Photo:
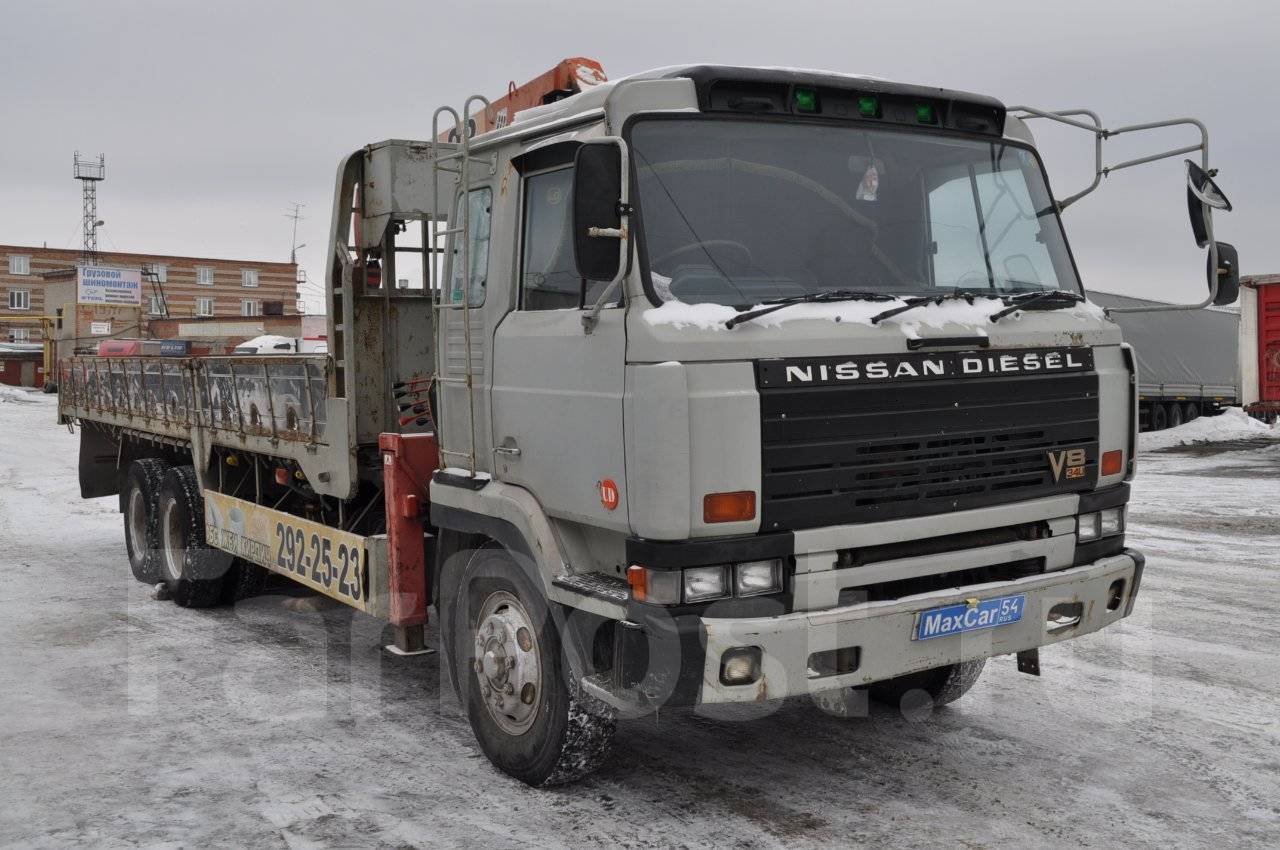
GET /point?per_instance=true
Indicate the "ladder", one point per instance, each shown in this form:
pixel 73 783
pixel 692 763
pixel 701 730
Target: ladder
pixel 458 161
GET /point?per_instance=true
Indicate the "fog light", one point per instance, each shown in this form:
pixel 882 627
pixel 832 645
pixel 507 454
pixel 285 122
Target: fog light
pixel 703 583
pixel 740 665
pixel 754 578
pixel 1087 527
pixel 1111 521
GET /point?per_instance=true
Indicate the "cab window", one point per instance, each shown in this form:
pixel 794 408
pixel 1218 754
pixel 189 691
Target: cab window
pixel 548 278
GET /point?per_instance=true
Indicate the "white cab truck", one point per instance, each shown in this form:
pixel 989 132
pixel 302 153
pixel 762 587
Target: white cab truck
pixel 721 385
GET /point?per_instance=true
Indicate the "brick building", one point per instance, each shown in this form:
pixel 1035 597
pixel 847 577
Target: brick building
pixel 191 286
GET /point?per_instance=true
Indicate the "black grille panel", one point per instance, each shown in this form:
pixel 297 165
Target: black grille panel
pixel 861 453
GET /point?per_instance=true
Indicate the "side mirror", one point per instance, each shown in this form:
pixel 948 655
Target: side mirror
pixel 600 236
pixel 1203 196
pixel 1227 273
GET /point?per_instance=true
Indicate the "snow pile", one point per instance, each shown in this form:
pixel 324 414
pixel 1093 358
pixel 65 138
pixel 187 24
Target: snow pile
pixel 1232 424
pixel 976 317
pixel 19 395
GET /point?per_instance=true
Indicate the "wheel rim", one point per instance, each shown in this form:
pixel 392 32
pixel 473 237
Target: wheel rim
pixel 508 663
pixel 137 525
pixel 173 543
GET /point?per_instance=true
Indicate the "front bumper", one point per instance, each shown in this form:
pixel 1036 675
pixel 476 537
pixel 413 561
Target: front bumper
pixel 881 632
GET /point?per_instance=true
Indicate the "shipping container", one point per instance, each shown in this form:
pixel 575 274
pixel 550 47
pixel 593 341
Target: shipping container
pixel 1259 348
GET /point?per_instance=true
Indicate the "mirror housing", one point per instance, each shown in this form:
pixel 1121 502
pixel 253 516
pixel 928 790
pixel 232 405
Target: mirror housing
pixel 1227 274
pixel 1203 196
pixel 601 213
pixel 599 207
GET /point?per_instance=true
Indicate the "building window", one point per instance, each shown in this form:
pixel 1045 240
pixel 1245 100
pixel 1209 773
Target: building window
pixel 248 277
pixel 19 264
pixel 157 306
pixel 19 299
pixel 161 272
pixel 204 306
pixel 250 307
pixel 20 334
pixel 204 275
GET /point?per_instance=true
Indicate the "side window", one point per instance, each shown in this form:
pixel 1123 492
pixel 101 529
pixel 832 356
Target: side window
pixel 548 278
pixel 478 208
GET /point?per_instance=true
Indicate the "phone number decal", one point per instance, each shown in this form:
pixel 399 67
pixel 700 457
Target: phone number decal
pixel 325 559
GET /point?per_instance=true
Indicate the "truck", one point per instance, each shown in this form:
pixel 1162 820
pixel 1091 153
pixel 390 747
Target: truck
pixel 721 385
pixel 1188 363
pixel 1259 347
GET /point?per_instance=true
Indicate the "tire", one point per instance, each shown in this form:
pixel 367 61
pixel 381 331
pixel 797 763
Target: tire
pixel 193 571
pixel 141 519
pixel 547 731
pixel 1159 417
pixel 928 689
pixel 1175 415
pixel 1190 412
pixel 244 581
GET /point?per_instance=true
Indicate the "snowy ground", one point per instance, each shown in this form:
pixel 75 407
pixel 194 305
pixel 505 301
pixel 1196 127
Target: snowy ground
pixel 130 722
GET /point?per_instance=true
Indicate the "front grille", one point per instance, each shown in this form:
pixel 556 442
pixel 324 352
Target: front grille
pixel 894 590
pixel 866 452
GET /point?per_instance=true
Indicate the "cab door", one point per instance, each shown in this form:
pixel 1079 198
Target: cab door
pixel 557 391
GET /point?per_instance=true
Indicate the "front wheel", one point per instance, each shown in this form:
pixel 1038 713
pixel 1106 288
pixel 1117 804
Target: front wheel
pixel 928 689
pixel 529 714
pixel 141 518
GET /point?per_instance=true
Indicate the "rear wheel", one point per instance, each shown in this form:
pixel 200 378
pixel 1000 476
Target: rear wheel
pixel 1175 415
pixel 527 711
pixel 141 519
pixel 1190 412
pixel 928 689
pixel 193 571
pixel 244 580
pixel 1159 417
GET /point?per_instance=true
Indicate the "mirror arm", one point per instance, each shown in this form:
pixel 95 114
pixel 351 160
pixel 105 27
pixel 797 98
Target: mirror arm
pixel 1213 286
pixel 622 234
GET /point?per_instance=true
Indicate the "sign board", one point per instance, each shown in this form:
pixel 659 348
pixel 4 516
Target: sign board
pixel 100 328
pixel 323 558
pixel 105 285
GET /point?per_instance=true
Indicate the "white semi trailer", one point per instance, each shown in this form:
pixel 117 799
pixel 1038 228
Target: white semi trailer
pixel 737 384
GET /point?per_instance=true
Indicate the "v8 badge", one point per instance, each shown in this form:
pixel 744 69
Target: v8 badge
pixel 1068 464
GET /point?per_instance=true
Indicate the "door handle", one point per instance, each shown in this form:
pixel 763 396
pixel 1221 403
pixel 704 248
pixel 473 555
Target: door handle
pixel 509 451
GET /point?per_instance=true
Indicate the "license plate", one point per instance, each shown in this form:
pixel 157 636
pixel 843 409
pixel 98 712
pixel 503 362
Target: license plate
pixel 960 618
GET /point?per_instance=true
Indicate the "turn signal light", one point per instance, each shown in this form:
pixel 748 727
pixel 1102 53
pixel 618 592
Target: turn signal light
pixel 1112 462
pixel 729 507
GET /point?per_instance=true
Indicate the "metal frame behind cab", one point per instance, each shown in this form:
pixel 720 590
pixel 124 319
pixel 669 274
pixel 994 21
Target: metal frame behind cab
pixel 1101 134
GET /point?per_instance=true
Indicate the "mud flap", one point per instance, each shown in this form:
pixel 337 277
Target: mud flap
pixel 1029 662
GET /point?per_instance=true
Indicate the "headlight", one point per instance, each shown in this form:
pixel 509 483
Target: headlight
pixel 1087 527
pixel 703 583
pixel 1111 521
pixel 755 578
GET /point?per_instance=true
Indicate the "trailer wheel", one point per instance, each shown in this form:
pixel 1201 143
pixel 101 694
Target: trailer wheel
pixel 928 689
pixel 194 571
pixel 244 581
pixel 1159 417
pixel 527 711
pixel 1175 415
pixel 141 519
pixel 1191 412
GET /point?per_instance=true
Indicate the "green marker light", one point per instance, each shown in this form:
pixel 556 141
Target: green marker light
pixel 806 100
pixel 868 107
pixel 924 113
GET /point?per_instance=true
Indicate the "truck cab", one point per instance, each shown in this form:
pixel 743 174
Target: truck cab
pixel 765 383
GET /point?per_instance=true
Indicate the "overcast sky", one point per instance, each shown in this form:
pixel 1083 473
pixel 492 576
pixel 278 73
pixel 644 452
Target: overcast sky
pixel 214 116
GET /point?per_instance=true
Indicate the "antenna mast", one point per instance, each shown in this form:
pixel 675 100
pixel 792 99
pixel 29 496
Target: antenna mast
pixel 297 216
pixel 89 173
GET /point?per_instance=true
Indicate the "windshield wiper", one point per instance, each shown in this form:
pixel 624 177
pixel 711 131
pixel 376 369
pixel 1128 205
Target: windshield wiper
pixel 1063 298
pixel 808 298
pixel 920 300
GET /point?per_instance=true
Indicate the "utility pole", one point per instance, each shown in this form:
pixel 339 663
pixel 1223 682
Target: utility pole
pixel 89 173
pixel 297 216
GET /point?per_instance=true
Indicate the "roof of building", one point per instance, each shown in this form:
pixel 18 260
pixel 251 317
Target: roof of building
pixel 108 257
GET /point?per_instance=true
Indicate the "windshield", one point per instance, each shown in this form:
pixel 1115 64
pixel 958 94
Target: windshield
pixel 739 212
